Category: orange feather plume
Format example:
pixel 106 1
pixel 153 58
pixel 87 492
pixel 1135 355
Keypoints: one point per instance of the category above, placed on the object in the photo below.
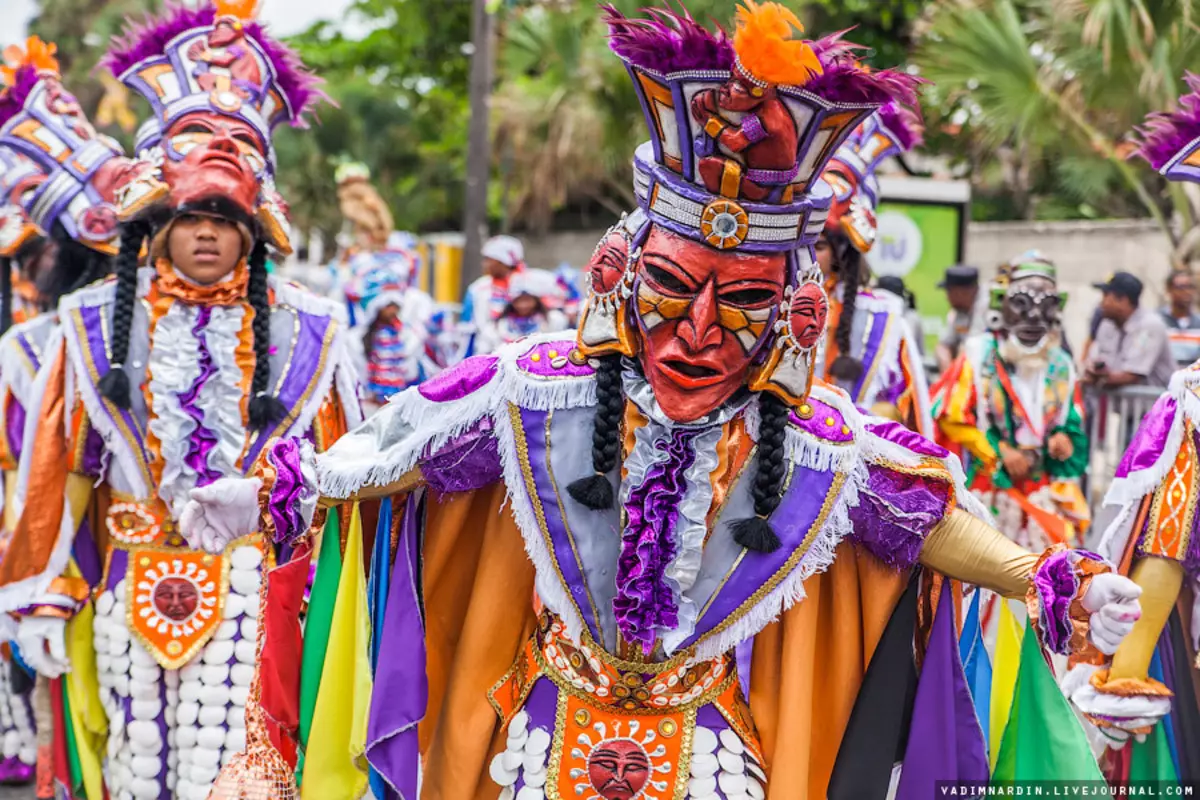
pixel 37 54
pixel 242 9
pixel 765 47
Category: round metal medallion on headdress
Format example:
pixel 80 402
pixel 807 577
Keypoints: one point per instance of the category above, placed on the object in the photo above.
pixel 724 224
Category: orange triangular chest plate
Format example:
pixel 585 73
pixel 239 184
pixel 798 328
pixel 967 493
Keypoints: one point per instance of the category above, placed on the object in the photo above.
pixel 175 600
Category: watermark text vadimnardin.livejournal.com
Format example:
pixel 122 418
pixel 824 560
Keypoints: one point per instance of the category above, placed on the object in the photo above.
pixel 1065 789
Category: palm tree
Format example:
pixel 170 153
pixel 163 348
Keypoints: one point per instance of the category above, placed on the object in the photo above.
pixel 1064 82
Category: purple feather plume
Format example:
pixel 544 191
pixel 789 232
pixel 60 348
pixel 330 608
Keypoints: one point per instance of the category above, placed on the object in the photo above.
pixel 1164 134
pixel 150 38
pixel 667 41
pixel 845 80
pixel 13 98
pixel 906 123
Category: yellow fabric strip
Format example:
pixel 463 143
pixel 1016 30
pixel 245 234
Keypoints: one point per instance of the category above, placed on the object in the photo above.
pixel 334 761
pixel 1004 676
pixel 83 693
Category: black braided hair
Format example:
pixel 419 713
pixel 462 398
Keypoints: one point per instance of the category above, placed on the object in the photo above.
pixel 846 368
pixel 265 408
pixel 115 383
pixel 756 533
pixel 596 491
pixel 5 294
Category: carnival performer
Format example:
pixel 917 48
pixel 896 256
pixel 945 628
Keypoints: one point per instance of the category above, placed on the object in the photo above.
pixel 1149 518
pixel 676 480
pixel 393 318
pixel 160 382
pixel 24 251
pixel 1010 406
pixel 370 225
pixel 65 184
pixel 534 306
pixel 870 352
pixel 488 295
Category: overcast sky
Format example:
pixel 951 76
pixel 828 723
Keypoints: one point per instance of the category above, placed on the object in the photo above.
pixel 285 17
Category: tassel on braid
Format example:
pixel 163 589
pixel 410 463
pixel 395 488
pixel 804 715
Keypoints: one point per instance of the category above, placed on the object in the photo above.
pixel 846 369
pixel 756 532
pixel 596 491
pixel 265 408
pixel 115 383
pixel 6 291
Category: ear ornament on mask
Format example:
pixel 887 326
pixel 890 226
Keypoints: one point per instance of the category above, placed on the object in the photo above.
pixel 788 371
pixel 604 325
pixel 146 187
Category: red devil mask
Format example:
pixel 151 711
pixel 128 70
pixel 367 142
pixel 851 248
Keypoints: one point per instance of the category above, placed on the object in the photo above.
pixel 703 316
pixel 214 178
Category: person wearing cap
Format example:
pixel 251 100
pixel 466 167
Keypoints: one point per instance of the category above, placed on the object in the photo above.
pixel 1130 346
pixel 1008 406
pixel 173 374
pixel 961 284
pixel 488 295
pixel 535 306
pixel 657 554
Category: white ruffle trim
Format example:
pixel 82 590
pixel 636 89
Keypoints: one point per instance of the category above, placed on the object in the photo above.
pixel 173 367
pixel 220 399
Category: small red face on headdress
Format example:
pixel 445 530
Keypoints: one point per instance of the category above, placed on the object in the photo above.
pixel 214 170
pixel 608 263
pixel 63 104
pixel 807 315
pixel 704 313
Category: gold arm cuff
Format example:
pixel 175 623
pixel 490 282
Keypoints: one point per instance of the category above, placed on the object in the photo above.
pixel 714 126
pixel 970 550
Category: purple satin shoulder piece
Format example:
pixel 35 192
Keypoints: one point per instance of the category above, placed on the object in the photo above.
pixel 1150 439
pixel 1056 583
pixel 284 500
pixel 896 433
pixel 895 512
pixel 551 360
pixel 460 380
pixel 644 600
pixel 826 422
pixel 470 461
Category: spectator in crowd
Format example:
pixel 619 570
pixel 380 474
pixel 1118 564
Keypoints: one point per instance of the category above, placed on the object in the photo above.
pixel 894 285
pixel 1130 346
pixel 1183 323
pixel 962 290
pixel 488 295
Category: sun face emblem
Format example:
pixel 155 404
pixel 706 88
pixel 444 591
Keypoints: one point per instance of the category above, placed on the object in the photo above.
pixel 724 224
pixel 175 598
pixel 610 766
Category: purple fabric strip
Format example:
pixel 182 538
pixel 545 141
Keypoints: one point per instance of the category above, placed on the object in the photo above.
pixel 1151 438
pixel 93 322
pixel 87 554
pixel 945 742
pixel 644 603
pixel 753 128
pixel 306 356
pixel 1056 584
pixel 283 502
pixel 202 440
pixel 914 442
pixel 93 453
pixel 401 687
pixel 870 352
pixel 894 514
pixel 14 426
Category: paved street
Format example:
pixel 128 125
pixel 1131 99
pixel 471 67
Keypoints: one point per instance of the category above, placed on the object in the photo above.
pixel 21 793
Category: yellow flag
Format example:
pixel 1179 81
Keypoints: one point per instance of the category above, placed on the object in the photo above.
pixel 83 695
pixel 1004 676
pixel 331 769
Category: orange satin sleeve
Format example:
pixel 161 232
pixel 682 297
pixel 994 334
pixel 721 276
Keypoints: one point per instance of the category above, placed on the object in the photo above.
pixel 35 534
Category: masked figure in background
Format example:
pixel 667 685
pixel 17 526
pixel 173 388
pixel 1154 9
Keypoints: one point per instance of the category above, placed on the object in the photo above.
pixel 870 351
pixel 1010 406
pixel 67 188
pixel 160 382
pixel 676 480
pixel 370 222
pixel 1149 521
pixel 24 252
pixel 488 295
pixel 534 306
pixel 393 318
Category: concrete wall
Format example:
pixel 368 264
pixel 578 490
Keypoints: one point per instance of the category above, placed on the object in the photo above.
pixel 1084 251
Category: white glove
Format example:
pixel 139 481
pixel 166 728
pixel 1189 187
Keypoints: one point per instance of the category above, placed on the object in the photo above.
pixel 1116 718
pixel 43 643
pixel 220 513
pixel 1112 601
